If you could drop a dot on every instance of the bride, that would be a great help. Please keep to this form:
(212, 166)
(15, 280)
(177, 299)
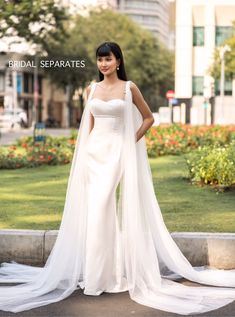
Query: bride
(106, 244)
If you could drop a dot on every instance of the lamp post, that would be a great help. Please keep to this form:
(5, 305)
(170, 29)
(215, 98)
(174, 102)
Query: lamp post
(222, 51)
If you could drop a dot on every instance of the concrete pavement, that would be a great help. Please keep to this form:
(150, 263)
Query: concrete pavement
(109, 305)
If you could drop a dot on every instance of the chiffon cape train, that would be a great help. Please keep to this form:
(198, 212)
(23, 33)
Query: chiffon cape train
(151, 259)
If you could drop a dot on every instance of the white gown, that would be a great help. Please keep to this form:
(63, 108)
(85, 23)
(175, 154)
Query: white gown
(104, 247)
(103, 171)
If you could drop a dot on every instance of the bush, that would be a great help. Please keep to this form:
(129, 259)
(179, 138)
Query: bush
(56, 150)
(213, 165)
(176, 139)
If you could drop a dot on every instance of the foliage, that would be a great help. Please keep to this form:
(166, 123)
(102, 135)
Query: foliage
(213, 165)
(39, 21)
(56, 150)
(153, 75)
(176, 139)
(75, 37)
(162, 140)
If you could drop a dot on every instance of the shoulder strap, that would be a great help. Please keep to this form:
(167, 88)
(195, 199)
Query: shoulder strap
(127, 90)
(128, 94)
(93, 85)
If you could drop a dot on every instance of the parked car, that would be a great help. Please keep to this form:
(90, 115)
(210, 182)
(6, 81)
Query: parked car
(9, 119)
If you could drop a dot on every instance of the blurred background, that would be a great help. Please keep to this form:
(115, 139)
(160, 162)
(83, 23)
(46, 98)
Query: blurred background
(180, 53)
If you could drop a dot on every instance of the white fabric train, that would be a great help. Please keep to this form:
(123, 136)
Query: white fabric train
(151, 257)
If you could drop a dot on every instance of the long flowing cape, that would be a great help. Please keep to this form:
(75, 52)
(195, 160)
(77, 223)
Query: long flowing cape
(152, 260)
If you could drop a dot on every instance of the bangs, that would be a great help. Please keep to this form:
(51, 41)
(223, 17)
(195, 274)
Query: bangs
(104, 50)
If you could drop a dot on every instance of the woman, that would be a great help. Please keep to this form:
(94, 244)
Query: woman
(101, 249)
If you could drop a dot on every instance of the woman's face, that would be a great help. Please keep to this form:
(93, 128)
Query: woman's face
(107, 64)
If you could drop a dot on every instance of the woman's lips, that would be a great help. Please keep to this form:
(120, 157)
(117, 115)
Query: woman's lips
(104, 70)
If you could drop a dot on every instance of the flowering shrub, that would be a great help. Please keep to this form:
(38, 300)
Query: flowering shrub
(56, 150)
(162, 140)
(213, 165)
(176, 139)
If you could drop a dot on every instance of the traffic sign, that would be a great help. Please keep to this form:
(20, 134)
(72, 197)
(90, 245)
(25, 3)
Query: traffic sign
(170, 94)
(174, 101)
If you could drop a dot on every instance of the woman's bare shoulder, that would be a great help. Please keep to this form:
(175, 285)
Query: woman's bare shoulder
(134, 88)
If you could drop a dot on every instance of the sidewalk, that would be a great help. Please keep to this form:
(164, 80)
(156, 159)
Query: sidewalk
(10, 136)
(108, 305)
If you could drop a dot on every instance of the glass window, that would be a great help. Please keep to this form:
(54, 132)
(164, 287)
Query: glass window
(228, 87)
(140, 4)
(198, 85)
(198, 36)
(222, 33)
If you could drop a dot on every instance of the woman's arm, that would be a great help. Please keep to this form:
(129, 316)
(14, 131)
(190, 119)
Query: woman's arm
(88, 90)
(144, 109)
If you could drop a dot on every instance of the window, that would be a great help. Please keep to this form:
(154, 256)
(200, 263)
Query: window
(198, 36)
(28, 82)
(198, 85)
(138, 4)
(228, 87)
(222, 33)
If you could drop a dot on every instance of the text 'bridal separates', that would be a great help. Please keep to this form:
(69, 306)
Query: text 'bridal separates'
(107, 247)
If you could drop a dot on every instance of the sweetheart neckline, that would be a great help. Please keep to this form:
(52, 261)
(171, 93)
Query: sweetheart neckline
(107, 100)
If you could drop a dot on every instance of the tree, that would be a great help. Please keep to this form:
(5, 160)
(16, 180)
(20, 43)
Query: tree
(148, 62)
(38, 21)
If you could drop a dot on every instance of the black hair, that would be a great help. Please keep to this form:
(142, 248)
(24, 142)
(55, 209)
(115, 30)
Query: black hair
(105, 49)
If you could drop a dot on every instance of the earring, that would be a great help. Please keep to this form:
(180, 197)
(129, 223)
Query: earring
(117, 68)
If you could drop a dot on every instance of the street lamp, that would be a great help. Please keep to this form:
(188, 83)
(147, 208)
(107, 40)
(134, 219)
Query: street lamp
(222, 51)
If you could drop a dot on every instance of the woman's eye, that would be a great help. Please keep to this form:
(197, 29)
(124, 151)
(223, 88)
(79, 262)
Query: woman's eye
(107, 59)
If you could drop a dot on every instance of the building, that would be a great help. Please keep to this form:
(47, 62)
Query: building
(201, 27)
(153, 15)
(17, 90)
(171, 35)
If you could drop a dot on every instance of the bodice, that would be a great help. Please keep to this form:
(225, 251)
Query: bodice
(108, 115)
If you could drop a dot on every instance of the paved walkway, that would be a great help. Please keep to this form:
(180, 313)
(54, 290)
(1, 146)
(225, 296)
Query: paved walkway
(10, 136)
(108, 305)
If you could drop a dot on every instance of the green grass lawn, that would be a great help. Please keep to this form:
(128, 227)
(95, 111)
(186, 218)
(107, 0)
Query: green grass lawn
(34, 198)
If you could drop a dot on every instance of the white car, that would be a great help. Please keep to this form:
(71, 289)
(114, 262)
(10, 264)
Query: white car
(9, 119)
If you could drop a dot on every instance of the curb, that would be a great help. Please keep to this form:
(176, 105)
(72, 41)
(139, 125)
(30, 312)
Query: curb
(33, 247)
